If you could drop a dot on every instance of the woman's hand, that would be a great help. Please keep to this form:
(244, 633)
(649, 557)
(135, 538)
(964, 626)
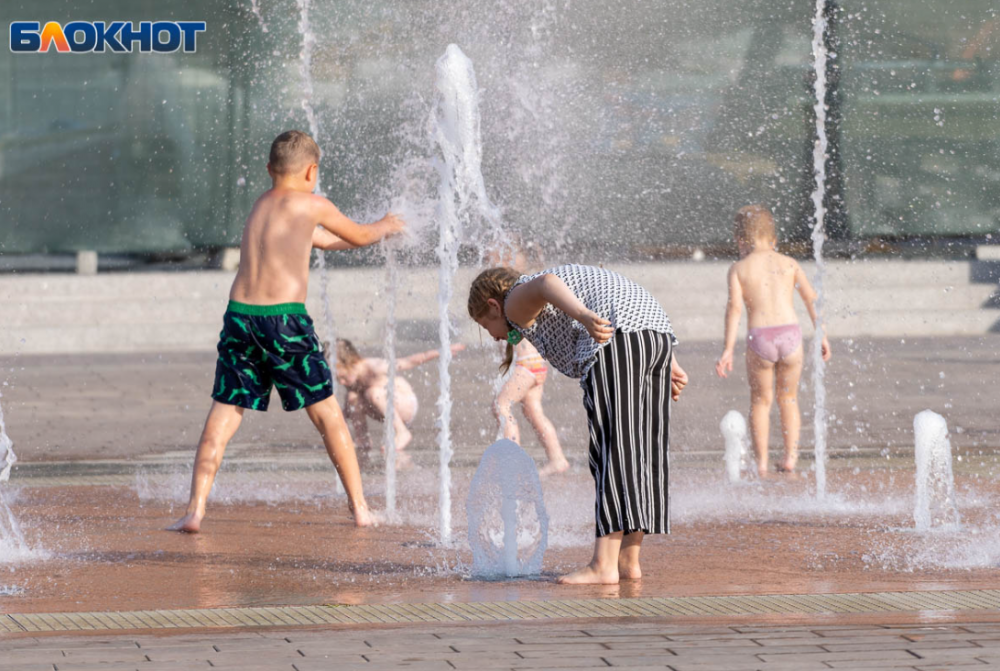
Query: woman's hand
(598, 327)
(826, 351)
(724, 365)
(678, 380)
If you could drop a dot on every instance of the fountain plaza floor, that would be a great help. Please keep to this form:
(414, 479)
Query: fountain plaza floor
(756, 575)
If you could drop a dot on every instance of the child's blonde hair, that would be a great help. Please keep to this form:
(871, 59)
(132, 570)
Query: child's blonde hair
(492, 283)
(754, 222)
(347, 353)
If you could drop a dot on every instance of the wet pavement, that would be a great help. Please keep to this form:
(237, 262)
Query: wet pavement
(269, 541)
(106, 444)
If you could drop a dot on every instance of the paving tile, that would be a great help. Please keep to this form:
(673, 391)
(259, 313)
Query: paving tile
(898, 645)
(111, 655)
(417, 666)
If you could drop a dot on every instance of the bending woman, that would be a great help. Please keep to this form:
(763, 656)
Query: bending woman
(611, 334)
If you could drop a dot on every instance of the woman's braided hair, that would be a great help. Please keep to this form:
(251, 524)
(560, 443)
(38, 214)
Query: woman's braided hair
(492, 283)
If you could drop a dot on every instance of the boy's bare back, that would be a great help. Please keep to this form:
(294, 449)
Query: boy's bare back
(766, 281)
(274, 254)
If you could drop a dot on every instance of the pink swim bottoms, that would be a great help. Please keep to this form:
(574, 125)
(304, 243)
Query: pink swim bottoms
(774, 343)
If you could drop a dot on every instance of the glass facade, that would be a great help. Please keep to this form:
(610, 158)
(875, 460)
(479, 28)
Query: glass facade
(644, 125)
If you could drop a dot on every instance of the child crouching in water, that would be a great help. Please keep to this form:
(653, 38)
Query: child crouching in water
(766, 282)
(526, 385)
(609, 332)
(367, 384)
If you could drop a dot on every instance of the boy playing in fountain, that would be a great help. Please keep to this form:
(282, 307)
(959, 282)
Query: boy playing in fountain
(766, 282)
(367, 384)
(267, 337)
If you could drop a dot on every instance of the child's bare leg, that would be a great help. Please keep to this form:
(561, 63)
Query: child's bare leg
(328, 419)
(533, 412)
(513, 391)
(378, 400)
(760, 372)
(787, 374)
(603, 568)
(354, 412)
(220, 427)
(628, 557)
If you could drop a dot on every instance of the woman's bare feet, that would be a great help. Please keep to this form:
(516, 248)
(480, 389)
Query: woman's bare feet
(553, 468)
(590, 575)
(629, 570)
(190, 523)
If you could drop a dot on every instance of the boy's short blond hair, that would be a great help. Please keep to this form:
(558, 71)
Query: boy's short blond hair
(291, 151)
(754, 222)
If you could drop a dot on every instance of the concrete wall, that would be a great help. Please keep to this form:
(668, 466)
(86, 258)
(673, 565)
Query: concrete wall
(136, 312)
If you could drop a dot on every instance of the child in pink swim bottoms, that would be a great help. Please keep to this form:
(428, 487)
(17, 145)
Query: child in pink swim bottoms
(525, 385)
(766, 281)
(775, 343)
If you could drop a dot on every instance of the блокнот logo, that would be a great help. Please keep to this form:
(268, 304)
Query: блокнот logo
(81, 37)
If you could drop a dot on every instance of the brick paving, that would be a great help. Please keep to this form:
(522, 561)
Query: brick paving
(555, 645)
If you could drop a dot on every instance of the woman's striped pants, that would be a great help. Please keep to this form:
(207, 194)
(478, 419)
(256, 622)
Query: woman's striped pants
(627, 397)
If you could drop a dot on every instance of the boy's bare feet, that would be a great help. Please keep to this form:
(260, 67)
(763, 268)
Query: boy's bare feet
(190, 523)
(363, 516)
(553, 468)
(589, 575)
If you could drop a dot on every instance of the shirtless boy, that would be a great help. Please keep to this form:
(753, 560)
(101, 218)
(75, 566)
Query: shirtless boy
(267, 337)
(766, 282)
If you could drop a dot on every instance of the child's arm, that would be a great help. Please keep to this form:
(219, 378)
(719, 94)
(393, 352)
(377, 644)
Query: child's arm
(324, 239)
(734, 308)
(809, 297)
(333, 220)
(527, 300)
(415, 360)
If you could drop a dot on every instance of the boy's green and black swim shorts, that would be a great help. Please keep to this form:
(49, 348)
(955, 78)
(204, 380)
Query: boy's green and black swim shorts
(261, 345)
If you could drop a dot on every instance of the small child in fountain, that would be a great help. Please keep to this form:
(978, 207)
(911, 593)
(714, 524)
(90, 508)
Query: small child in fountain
(526, 382)
(612, 335)
(267, 337)
(766, 282)
(367, 384)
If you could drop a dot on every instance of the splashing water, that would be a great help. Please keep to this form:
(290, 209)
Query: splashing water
(255, 8)
(820, 57)
(734, 430)
(305, 69)
(455, 130)
(13, 547)
(508, 525)
(935, 495)
(392, 282)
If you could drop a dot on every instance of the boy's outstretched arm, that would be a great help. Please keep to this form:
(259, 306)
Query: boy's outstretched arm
(526, 301)
(333, 220)
(324, 239)
(809, 297)
(414, 360)
(734, 308)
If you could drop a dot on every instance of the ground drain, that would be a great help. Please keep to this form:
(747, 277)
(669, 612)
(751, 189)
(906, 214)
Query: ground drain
(410, 613)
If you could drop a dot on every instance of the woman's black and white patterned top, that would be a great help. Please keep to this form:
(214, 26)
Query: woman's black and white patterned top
(565, 343)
